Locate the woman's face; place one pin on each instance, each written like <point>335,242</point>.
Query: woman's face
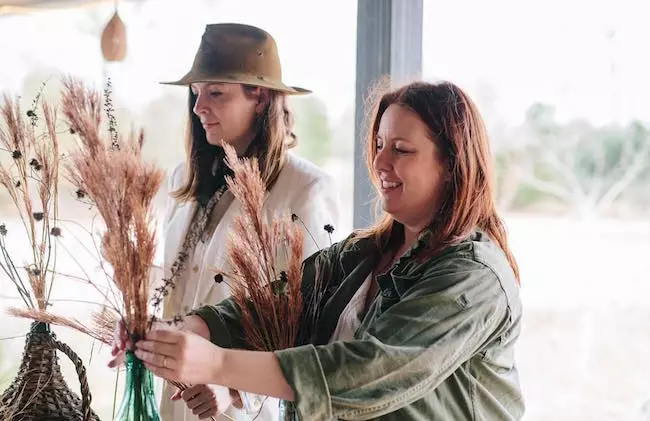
<point>228,112</point>
<point>411,172</point>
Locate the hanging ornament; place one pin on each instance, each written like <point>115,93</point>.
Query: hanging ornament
<point>114,39</point>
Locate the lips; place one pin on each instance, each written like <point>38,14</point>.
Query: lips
<point>207,126</point>
<point>389,186</point>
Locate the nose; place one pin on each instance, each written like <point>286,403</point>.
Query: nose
<point>199,105</point>
<point>382,161</point>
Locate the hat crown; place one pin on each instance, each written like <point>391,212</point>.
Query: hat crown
<point>238,53</point>
<point>236,49</point>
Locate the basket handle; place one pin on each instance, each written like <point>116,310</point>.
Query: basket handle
<point>81,372</point>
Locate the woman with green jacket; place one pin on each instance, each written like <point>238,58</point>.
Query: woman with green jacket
<point>422,310</point>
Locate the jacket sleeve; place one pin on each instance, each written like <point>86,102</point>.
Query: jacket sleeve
<point>405,353</point>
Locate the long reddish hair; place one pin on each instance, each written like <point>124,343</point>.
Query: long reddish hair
<point>456,126</point>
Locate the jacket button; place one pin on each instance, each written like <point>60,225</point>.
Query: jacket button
<point>195,268</point>
<point>388,293</point>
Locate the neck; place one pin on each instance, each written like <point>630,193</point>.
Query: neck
<point>410,237</point>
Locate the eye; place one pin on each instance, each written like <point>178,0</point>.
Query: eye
<point>379,145</point>
<point>215,94</point>
<point>400,149</point>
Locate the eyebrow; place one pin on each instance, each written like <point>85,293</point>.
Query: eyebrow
<point>209,85</point>
<point>395,138</point>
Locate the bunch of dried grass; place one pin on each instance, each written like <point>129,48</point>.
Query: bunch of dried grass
<point>122,187</point>
<point>110,173</point>
<point>32,183</point>
<point>265,257</point>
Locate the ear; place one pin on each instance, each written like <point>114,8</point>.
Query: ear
<point>263,97</point>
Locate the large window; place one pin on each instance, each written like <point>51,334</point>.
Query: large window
<point>564,91</point>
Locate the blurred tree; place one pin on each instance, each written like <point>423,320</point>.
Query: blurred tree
<point>343,136</point>
<point>586,167</point>
<point>312,129</point>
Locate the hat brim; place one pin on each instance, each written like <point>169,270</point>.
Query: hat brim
<point>239,78</point>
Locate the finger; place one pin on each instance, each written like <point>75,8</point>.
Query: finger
<point>163,373</point>
<point>211,412</point>
<point>157,360</point>
<point>117,361</point>
<point>202,398</point>
<point>157,348</point>
<point>158,325</point>
<point>193,391</point>
<point>205,407</point>
<point>176,396</point>
<point>164,335</point>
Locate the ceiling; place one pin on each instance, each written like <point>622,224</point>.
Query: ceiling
<point>26,6</point>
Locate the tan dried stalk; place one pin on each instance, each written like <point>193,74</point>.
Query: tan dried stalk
<point>32,183</point>
<point>122,187</point>
<point>102,335</point>
<point>265,257</point>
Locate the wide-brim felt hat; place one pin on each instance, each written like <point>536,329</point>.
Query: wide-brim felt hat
<point>237,53</point>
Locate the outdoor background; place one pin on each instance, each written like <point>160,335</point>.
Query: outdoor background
<point>562,85</point>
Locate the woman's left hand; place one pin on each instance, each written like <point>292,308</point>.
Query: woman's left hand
<point>180,356</point>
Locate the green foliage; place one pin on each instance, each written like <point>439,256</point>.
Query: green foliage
<point>312,129</point>
<point>586,167</point>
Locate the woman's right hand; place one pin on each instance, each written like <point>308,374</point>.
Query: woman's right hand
<point>122,342</point>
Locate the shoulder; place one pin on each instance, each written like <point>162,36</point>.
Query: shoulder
<point>176,177</point>
<point>477,268</point>
<point>301,173</point>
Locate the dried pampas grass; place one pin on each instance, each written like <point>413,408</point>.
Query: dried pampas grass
<point>266,262</point>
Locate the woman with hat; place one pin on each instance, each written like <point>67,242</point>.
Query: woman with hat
<point>235,95</point>
<point>421,312</point>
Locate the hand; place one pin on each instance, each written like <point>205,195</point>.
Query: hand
<point>180,356</point>
<point>121,343</point>
<point>205,400</point>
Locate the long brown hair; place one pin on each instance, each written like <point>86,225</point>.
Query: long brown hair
<point>273,136</point>
<point>457,127</point>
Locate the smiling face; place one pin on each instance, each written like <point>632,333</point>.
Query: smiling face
<point>409,169</point>
<point>228,112</point>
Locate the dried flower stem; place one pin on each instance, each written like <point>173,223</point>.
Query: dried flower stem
<point>266,262</point>
<point>122,187</point>
<point>34,173</point>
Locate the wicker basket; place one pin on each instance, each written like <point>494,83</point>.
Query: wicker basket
<point>39,391</point>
